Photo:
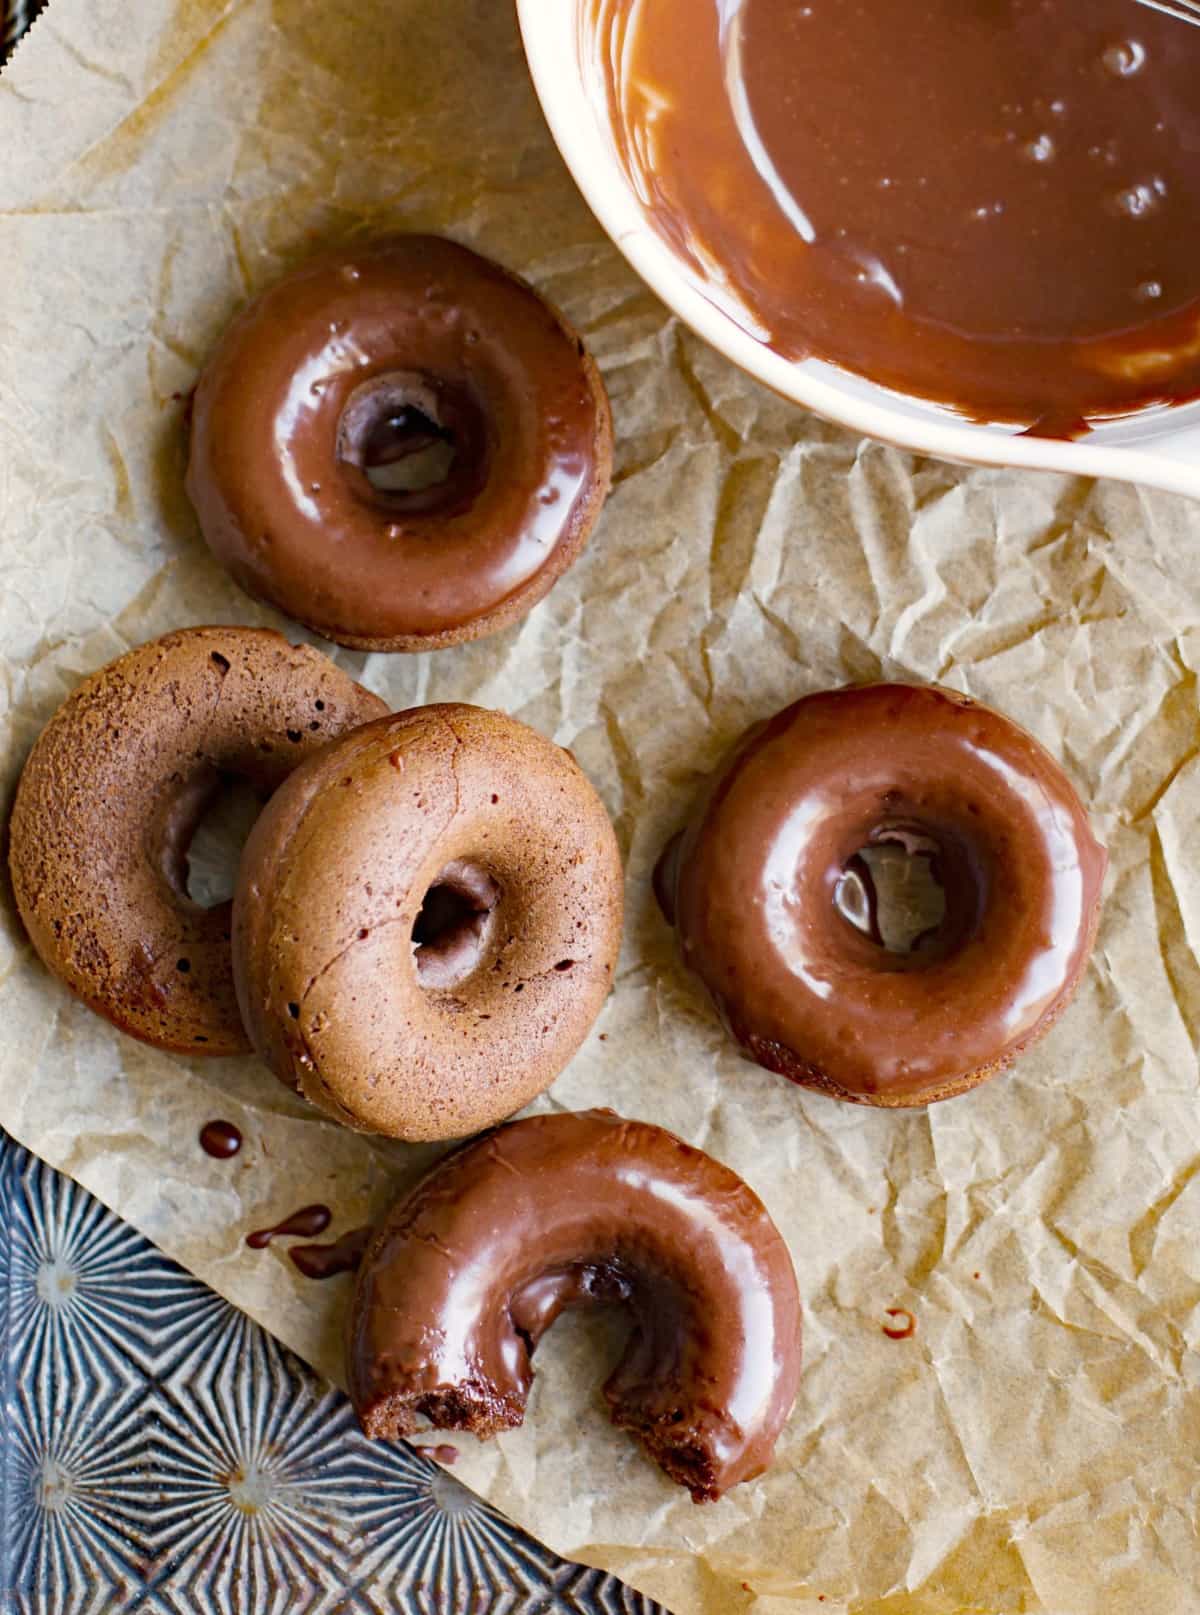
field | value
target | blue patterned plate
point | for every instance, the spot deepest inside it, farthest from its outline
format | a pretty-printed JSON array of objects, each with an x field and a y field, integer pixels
[{"x": 160, "y": 1452}]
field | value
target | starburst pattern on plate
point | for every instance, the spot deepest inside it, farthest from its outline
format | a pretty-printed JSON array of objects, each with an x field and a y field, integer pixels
[{"x": 160, "y": 1452}]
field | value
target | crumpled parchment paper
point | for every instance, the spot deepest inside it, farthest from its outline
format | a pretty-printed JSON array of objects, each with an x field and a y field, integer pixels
[{"x": 1033, "y": 1447}]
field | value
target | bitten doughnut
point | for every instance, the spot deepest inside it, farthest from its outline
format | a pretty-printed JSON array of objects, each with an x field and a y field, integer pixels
[
  {"x": 111, "y": 794},
  {"x": 333, "y": 389},
  {"x": 752, "y": 884},
  {"x": 472, "y": 1267},
  {"x": 427, "y": 922}
]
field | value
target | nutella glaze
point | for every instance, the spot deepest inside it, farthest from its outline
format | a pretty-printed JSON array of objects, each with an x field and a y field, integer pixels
[
  {"x": 330, "y": 1261},
  {"x": 994, "y": 204},
  {"x": 330, "y": 382},
  {"x": 751, "y": 886},
  {"x": 479, "y": 1259},
  {"x": 221, "y": 1140},
  {"x": 303, "y": 1224}
]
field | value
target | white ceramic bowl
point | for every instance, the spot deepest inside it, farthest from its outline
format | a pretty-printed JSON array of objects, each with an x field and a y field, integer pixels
[{"x": 1159, "y": 447}]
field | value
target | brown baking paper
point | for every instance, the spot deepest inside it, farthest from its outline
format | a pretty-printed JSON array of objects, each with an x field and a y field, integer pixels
[{"x": 1033, "y": 1447}]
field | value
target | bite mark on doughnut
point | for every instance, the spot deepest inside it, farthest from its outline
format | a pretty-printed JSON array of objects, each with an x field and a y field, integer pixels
[{"x": 576, "y": 1209}]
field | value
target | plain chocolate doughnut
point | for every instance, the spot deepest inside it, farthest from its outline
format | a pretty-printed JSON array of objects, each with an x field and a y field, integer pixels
[
  {"x": 472, "y": 1267},
  {"x": 427, "y": 922},
  {"x": 334, "y": 379},
  {"x": 111, "y": 794},
  {"x": 751, "y": 885}
]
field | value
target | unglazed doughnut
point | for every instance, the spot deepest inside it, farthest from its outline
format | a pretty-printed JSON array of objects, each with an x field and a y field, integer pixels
[
  {"x": 472, "y": 1267},
  {"x": 427, "y": 922},
  {"x": 331, "y": 383},
  {"x": 109, "y": 799},
  {"x": 750, "y": 886}
]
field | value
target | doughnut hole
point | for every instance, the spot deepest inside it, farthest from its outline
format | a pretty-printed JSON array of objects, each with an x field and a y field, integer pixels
[
  {"x": 914, "y": 893},
  {"x": 410, "y": 444},
  {"x": 202, "y": 832},
  {"x": 454, "y": 928}
]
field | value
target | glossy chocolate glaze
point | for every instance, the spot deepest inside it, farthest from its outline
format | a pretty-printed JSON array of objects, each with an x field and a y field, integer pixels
[
  {"x": 990, "y": 203},
  {"x": 297, "y": 406},
  {"x": 221, "y": 1140},
  {"x": 751, "y": 882},
  {"x": 477, "y": 1262},
  {"x": 302, "y": 1224},
  {"x": 328, "y": 1261}
]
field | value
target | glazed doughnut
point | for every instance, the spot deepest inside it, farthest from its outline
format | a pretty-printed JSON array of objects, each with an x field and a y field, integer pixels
[
  {"x": 326, "y": 391},
  {"x": 112, "y": 793},
  {"x": 427, "y": 922},
  {"x": 472, "y": 1267},
  {"x": 751, "y": 886}
]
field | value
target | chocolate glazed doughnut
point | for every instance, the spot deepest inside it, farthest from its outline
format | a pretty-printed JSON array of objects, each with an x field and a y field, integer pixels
[
  {"x": 112, "y": 793},
  {"x": 427, "y": 922},
  {"x": 751, "y": 887},
  {"x": 473, "y": 1266},
  {"x": 331, "y": 389}
]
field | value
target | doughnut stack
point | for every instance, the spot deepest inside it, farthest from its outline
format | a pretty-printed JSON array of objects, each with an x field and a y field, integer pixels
[{"x": 402, "y": 446}]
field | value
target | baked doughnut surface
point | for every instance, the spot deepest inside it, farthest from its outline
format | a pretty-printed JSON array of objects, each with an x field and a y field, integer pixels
[
  {"x": 561, "y": 1210},
  {"x": 427, "y": 922},
  {"x": 751, "y": 886},
  {"x": 331, "y": 382},
  {"x": 111, "y": 794}
]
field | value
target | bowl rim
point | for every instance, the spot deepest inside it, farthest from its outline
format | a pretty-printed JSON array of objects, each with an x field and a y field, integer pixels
[{"x": 608, "y": 193}]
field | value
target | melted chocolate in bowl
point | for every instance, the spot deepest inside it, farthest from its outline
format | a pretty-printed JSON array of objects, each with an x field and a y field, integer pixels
[{"x": 994, "y": 204}]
